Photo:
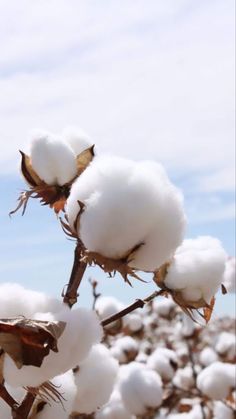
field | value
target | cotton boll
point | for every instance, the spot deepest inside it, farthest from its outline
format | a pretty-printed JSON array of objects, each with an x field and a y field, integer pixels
[
  {"x": 140, "y": 388},
  {"x": 114, "y": 409},
  {"x": 207, "y": 356},
  {"x": 81, "y": 332},
  {"x": 107, "y": 306},
  {"x": 195, "y": 413},
  {"x": 77, "y": 139},
  {"x": 221, "y": 411},
  {"x": 133, "y": 322},
  {"x": 197, "y": 269},
  {"x": 163, "y": 361},
  {"x": 163, "y": 306},
  {"x": 184, "y": 378},
  {"x": 145, "y": 208},
  {"x": 217, "y": 380},
  {"x": 52, "y": 159},
  {"x": 188, "y": 326},
  {"x": 95, "y": 380},
  {"x": 226, "y": 345},
  {"x": 125, "y": 349},
  {"x": 229, "y": 279},
  {"x": 65, "y": 384}
]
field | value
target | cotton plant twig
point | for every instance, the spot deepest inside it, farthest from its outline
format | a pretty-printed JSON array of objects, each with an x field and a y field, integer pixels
[
  {"x": 78, "y": 269},
  {"x": 96, "y": 294},
  {"x": 23, "y": 410},
  {"x": 137, "y": 304}
]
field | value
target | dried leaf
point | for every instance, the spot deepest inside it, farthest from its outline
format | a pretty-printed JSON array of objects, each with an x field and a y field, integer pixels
[
  {"x": 223, "y": 289},
  {"x": 83, "y": 159},
  {"x": 28, "y": 172},
  {"x": 208, "y": 310},
  {"x": 160, "y": 274},
  {"x": 27, "y": 342}
]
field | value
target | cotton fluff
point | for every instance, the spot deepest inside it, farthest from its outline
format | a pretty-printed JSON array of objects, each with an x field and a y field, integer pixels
[
  {"x": 114, "y": 409},
  {"x": 95, "y": 380},
  {"x": 140, "y": 388},
  {"x": 128, "y": 203},
  {"x": 217, "y": 380},
  {"x": 52, "y": 159},
  {"x": 163, "y": 306},
  {"x": 197, "y": 268},
  {"x": 81, "y": 332},
  {"x": 16, "y": 300},
  {"x": 65, "y": 384},
  {"x": 229, "y": 279},
  {"x": 226, "y": 345},
  {"x": 133, "y": 322},
  {"x": 107, "y": 306},
  {"x": 207, "y": 356},
  {"x": 221, "y": 411},
  {"x": 125, "y": 349},
  {"x": 164, "y": 361},
  {"x": 195, "y": 413},
  {"x": 184, "y": 378},
  {"x": 77, "y": 139}
]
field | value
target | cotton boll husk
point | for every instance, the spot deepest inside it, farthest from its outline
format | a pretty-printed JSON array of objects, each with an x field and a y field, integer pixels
[
  {"x": 184, "y": 378},
  {"x": 226, "y": 345},
  {"x": 95, "y": 380},
  {"x": 15, "y": 301},
  {"x": 217, "y": 380},
  {"x": 145, "y": 207},
  {"x": 81, "y": 332},
  {"x": 197, "y": 268},
  {"x": 229, "y": 279},
  {"x": 163, "y": 306},
  {"x": 77, "y": 139},
  {"x": 65, "y": 384},
  {"x": 163, "y": 361},
  {"x": 221, "y": 411},
  {"x": 52, "y": 159},
  {"x": 207, "y": 356},
  {"x": 140, "y": 388},
  {"x": 114, "y": 409}
]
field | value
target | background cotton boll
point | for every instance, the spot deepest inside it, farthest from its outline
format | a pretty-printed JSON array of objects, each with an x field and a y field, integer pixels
[
  {"x": 81, "y": 332},
  {"x": 229, "y": 278},
  {"x": 114, "y": 409},
  {"x": 65, "y": 384},
  {"x": 184, "y": 378},
  {"x": 163, "y": 361},
  {"x": 195, "y": 413},
  {"x": 140, "y": 389},
  {"x": 226, "y": 345},
  {"x": 221, "y": 411},
  {"x": 217, "y": 380},
  {"x": 77, "y": 139},
  {"x": 95, "y": 380},
  {"x": 197, "y": 268},
  {"x": 107, "y": 306},
  {"x": 52, "y": 159},
  {"x": 208, "y": 356},
  {"x": 125, "y": 349},
  {"x": 163, "y": 306},
  {"x": 133, "y": 321},
  {"x": 135, "y": 199}
]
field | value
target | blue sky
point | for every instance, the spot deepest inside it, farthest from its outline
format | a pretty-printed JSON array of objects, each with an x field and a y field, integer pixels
[{"x": 152, "y": 80}]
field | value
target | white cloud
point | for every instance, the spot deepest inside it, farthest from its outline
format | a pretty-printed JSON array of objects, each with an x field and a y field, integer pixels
[{"x": 222, "y": 180}]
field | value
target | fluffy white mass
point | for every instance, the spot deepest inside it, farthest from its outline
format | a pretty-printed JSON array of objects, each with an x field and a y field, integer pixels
[
  {"x": 184, "y": 378},
  {"x": 107, "y": 306},
  {"x": 114, "y": 409},
  {"x": 140, "y": 388},
  {"x": 163, "y": 306},
  {"x": 77, "y": 139},
  {"x": 128, "y": 204},
  {"x": 81, "y": 332},
  {"x": 164, "y": 361},
  {"x": 207, "y": 356},
  {"x": 217, "y": 380},
  {"x": 95, "y": 379},
  {"x": 125, "y": 349},
  {"x": 197, "y": 269},
  {"x": 229, "y": 278},
  {"x": 226, "y": 345}
]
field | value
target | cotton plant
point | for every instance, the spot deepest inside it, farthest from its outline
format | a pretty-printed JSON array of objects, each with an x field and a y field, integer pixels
[{"x": 229, "y": 276}]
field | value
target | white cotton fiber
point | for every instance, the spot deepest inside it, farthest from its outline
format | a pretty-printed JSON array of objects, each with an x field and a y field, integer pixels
[
  {"x": 15, "y": 301},
  {"x": 207, "y": 356},
  {"x": 226, "y": 345},
  {"x": 81, "y": 332},
  {"x": 163, "y": 306},
  {"x": 221, "y": 411},
  {"x": 133, "y": 322},
  {"x": 184, "y": 378},
  {"x": 77, "y": 139},
  {"x": 65, "y": 384},
  {"x": 107, "y": 306},
  {"x": 140, "y": 388},
  {"x": 195, "y": 413},
  {"x": 128, "y": 203},
  {"x": 52, "y": 159},
  {"x": 95, "y": 380},
  {"x": 125, "y": 349},
  {"x": 164, "y": 361},
  {"x": 114, "y": 409},
  {"x": 229, "y": 278},
  {"x": 197, "y": 268},
  {"x": 217, "y": 380}
]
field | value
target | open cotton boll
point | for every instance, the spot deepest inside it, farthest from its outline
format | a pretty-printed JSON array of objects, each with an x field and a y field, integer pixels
[
  {"x": 125, "y": 349},
  {"x": 52, "y": 159},
  {"x": 226, "y": 345},
  {"x": 195, "y": 413},
  {"x": 107, "y": 306},
  {"x": 133, "y": 321},
  {"x": 184, "y": 378},
  {"x": 16, "y": 300},
  {"x": 77, "y": 139},
  {"x": 140, "y": 388},
  {"x": 197, "y": 269},
  {"x": 229, "y": 277},
  {"x": 81, "y": 332},
  {"x": 217, "y": 380},
  {"x": 221, "y": 411},
  {"x": 95, "y": 380},
  {"x": 163, "y": 306},
  {"x": 65, "y": 384},
  {"x": 126, "y": 204},
  {"x": 164, "y": 361},
  {"x": 207, "y": 356},
  {"x": 114, "y": 409}
]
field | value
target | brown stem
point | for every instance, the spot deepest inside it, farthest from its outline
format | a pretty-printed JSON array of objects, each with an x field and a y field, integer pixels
[
  {"x": 78, "y": 269},
  {"x": 7, "y": 397},
  {"x": 96, "y": 294},
  {"x": 137, "y": 304},
  {"x": 22, "y": 411}
]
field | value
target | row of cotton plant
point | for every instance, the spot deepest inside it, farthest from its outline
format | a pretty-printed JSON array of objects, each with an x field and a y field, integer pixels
[{"x": 126, "y": 217}]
